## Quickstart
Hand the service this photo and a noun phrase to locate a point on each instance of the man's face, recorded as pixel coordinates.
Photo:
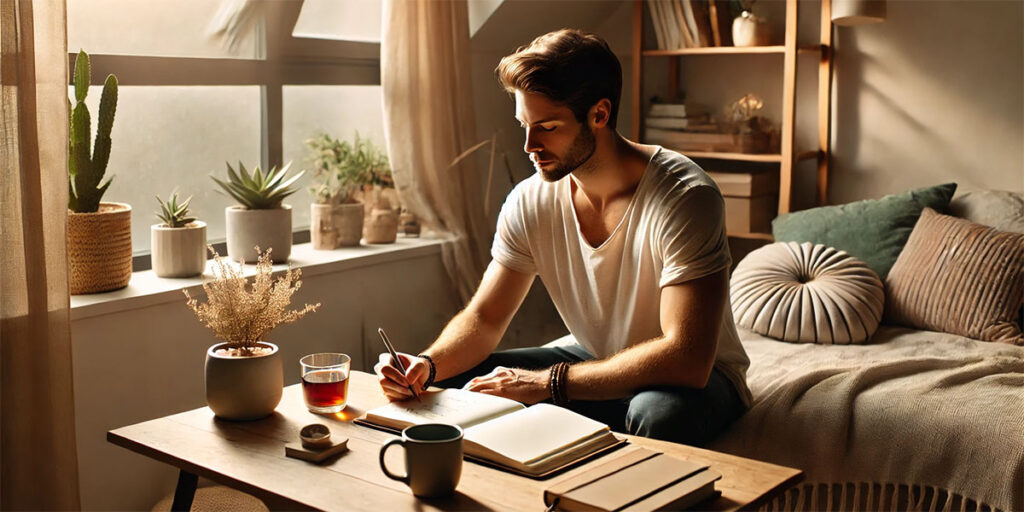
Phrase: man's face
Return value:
(556, 142)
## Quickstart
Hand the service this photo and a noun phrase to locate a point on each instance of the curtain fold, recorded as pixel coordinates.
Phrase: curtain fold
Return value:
(38, 454)
(428, 121)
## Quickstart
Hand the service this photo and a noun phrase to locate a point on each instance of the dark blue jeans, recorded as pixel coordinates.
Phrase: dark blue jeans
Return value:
(682, 415)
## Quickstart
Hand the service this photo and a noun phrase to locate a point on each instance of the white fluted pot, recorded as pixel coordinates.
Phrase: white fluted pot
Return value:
(178, 252)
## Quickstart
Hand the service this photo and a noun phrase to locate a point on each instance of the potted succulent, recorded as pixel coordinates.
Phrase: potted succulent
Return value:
(336, 216)
(178, 243)
(244, 377)
(99, 235)
(261, 219)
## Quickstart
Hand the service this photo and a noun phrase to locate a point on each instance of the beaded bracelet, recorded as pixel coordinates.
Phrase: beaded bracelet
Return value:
(557, 383)
(433, 371)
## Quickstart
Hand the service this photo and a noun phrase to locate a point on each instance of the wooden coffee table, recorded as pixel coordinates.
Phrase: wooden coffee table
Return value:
(249, 456)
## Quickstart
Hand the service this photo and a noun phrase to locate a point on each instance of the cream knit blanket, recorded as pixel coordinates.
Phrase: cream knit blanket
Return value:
(913, 408)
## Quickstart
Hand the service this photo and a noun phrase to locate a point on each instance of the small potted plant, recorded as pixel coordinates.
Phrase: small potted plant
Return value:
(99, 234)
(336, 216)
(244, 377)
(178, 242)
(381, 224)
(261, 219)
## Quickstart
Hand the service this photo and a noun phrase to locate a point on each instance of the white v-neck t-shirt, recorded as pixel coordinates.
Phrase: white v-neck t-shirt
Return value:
(609, 296)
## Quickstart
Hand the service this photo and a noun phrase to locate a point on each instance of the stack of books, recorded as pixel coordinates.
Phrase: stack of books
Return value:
(690, 23)
(673, 116)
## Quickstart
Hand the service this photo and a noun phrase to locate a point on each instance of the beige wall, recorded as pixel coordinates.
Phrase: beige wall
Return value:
(933, 94)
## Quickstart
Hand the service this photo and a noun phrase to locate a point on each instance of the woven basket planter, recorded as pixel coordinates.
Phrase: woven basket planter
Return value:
(100, 249)
(333, 226)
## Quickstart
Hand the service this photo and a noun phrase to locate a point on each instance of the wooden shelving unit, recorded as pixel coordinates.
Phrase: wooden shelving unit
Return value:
(788, 156)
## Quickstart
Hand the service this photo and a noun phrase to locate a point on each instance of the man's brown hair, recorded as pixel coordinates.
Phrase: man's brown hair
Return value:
(568, 66)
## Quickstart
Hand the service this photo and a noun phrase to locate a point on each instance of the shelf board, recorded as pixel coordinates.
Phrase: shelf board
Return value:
(753, 236)
(729, 50)
(746, 157)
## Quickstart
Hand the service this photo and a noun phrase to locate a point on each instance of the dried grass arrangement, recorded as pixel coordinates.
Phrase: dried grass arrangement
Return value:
(243, 314)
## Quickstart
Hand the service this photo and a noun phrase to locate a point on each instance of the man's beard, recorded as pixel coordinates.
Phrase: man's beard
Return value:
(583, 147)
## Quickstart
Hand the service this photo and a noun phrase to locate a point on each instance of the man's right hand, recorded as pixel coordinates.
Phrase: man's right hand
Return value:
(393, 383)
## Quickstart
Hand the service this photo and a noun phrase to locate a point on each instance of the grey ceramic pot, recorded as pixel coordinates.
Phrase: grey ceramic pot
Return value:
(248, 229)
(243, 388)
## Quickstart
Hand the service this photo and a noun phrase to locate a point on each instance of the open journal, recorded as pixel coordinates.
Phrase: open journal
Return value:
(531, 440)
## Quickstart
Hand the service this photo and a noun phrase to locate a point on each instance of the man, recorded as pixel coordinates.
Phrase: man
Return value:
(630, 243)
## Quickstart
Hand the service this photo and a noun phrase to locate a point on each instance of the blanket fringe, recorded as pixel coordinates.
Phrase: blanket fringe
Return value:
(873, 496)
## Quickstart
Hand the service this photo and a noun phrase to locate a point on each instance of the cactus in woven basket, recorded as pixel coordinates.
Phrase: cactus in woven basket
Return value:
(258, 190)
(173, 214)
(85, 170)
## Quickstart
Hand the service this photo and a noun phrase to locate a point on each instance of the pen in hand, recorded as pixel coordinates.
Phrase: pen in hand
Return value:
(395, 358)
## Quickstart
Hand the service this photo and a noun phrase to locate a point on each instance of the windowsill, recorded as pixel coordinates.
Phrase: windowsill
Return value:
(146, 289)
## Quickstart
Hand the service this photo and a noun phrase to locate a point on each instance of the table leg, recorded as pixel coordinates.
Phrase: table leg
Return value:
(184, 492)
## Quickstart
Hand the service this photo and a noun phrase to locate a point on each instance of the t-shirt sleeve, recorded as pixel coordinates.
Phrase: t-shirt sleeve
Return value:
(511, 247)
(692, 239)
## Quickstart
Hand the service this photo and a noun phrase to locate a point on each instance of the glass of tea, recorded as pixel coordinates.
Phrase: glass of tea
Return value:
(325, 381)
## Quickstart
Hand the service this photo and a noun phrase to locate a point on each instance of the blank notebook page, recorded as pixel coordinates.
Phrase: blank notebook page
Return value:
(534, 432)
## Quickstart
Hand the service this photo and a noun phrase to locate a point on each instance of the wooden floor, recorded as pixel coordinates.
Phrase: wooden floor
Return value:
(250, 456)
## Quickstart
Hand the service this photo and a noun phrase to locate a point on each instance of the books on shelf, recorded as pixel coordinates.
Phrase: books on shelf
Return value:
(690, 23)
(707, 141)
(532, 441)
(637, 479)
(676, 123)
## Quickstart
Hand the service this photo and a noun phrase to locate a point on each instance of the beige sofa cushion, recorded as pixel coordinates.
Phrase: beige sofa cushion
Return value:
(958, 277)
(1001, 209)
(807, 293)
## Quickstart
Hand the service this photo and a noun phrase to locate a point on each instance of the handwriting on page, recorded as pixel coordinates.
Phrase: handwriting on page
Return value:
(459, 407)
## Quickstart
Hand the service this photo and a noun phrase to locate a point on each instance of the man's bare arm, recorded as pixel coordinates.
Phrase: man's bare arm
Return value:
(691, 317)
(468, 338)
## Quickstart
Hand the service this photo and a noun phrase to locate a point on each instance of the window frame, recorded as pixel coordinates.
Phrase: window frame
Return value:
(283, 59)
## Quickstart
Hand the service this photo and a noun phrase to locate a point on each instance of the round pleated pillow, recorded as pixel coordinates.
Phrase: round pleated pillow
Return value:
(807, 293)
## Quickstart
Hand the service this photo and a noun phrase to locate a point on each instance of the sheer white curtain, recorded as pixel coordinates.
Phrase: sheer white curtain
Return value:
(38, 457)
(428, 120)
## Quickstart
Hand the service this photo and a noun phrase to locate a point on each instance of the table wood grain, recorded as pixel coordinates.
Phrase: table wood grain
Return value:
(249, 456)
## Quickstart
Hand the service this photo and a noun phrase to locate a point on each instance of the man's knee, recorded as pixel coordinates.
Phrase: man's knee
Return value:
(685, 416)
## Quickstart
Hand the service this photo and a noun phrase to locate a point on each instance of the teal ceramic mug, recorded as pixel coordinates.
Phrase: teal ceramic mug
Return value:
(433, 459)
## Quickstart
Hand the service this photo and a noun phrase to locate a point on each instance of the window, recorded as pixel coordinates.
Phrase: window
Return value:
(188, 102)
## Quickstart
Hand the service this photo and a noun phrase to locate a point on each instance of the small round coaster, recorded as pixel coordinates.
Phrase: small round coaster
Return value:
(315, 436)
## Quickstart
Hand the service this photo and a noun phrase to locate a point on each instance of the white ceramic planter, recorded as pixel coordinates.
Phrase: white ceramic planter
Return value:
(178, 252)
(243, 388)
(750, 30)
(333, 226)
(247, 229)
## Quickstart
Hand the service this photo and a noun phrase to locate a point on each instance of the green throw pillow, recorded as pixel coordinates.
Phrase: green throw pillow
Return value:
(874, 230)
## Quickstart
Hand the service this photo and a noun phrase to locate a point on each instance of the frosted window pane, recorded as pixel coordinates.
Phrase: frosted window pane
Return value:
(167, 28)
(167, 137)
(349, 20)
(339, 110)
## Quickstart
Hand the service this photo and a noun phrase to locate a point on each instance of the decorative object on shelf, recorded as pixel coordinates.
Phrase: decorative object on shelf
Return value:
(261, 219)
(848, 13)
(244, 377)
(750, 30)
(178, 244)
(99, 235)
(755, 131)
(408, 224)
(340, 170)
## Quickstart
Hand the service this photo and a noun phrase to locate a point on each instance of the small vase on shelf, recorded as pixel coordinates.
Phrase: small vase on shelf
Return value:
(750, 30)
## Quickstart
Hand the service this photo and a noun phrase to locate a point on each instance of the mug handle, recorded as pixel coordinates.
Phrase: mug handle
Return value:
(403, 478)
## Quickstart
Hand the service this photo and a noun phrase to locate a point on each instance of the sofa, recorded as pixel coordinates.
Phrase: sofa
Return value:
(908, 419)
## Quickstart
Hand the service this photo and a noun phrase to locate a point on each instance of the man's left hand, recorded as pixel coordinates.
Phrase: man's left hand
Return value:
(527, 386)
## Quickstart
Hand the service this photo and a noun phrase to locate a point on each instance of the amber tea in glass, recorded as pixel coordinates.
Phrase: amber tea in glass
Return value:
(325, 381)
